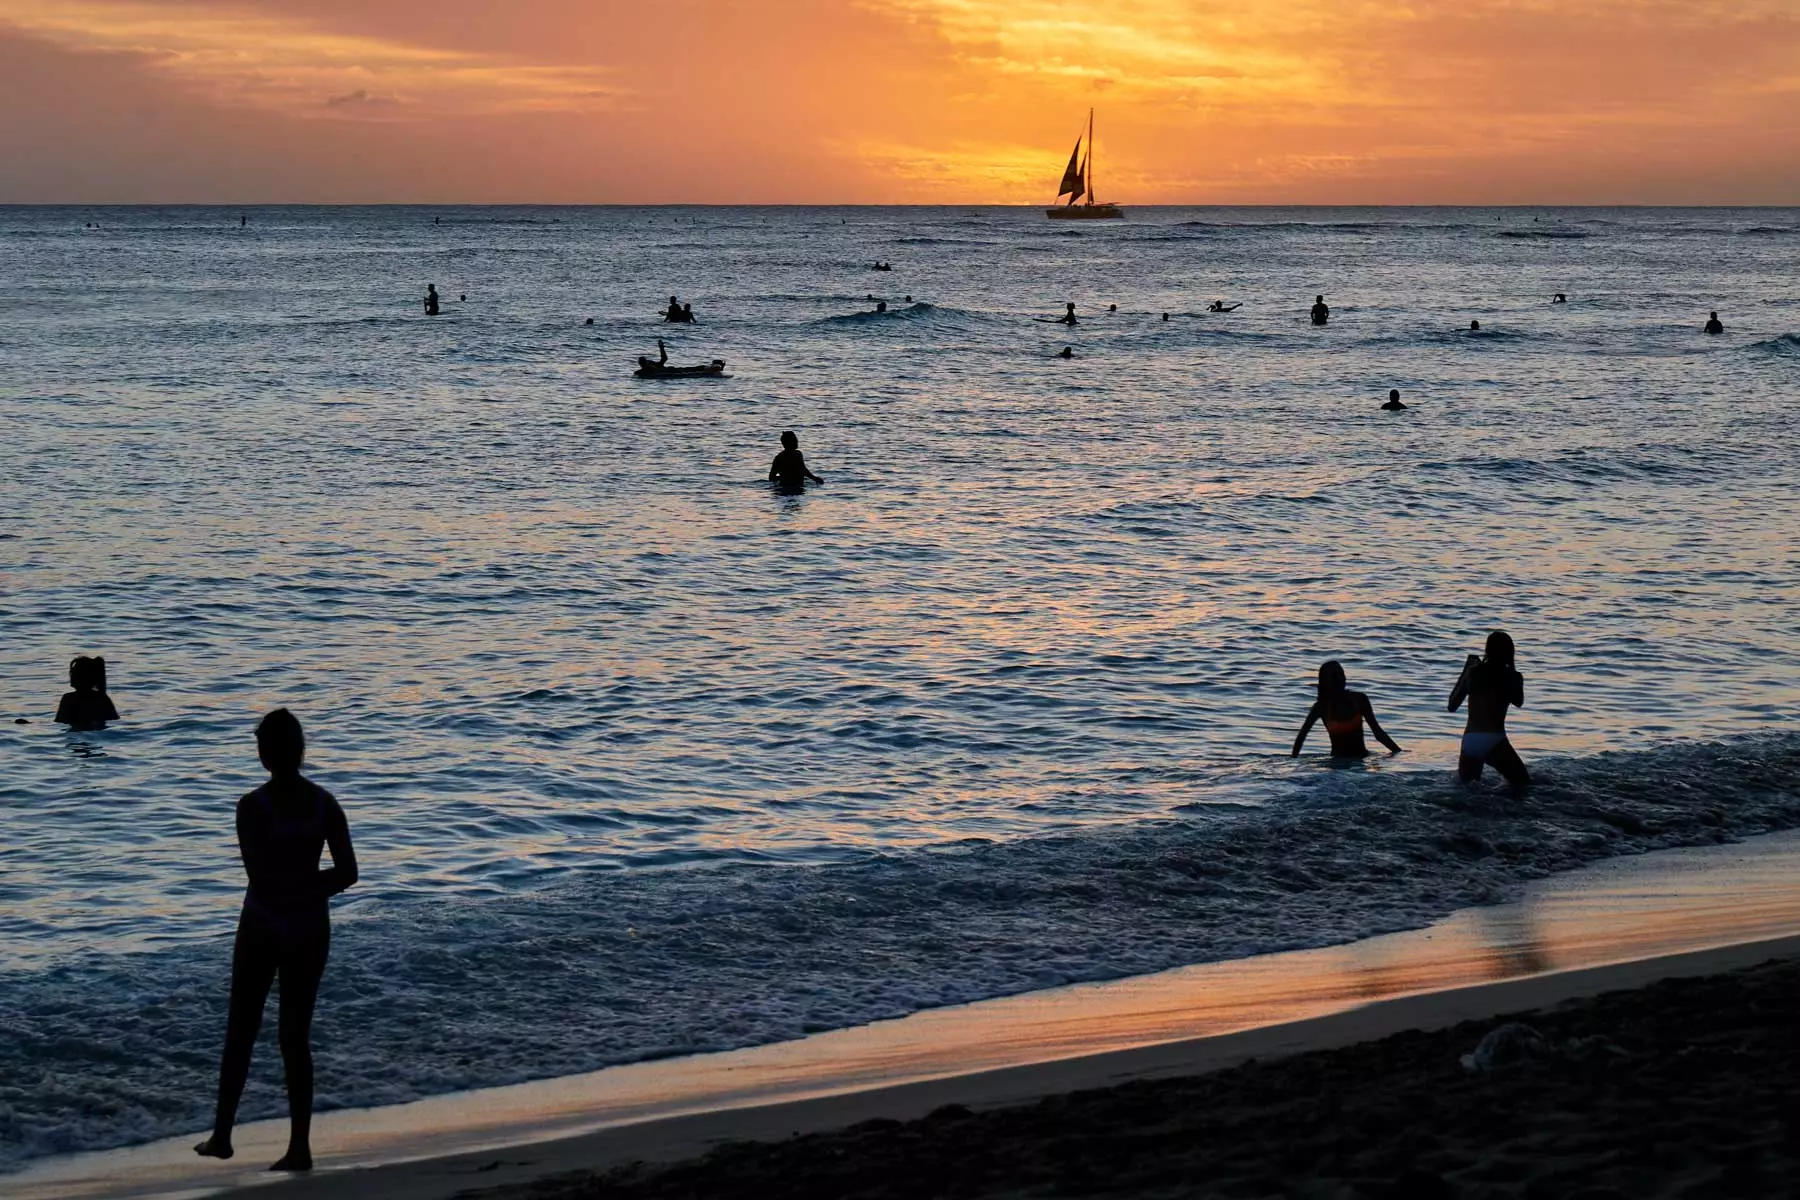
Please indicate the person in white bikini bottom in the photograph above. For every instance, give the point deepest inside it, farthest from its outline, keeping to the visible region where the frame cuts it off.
(1490, 684)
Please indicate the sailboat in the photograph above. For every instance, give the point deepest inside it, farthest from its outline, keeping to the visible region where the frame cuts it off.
(1078, 182)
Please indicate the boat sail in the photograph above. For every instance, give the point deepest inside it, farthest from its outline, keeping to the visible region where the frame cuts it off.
(1078, 182)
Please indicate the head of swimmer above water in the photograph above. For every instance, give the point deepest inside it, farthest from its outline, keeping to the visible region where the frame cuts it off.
(1331, 681)
(87, 674)
(790, 440)
(280, 744)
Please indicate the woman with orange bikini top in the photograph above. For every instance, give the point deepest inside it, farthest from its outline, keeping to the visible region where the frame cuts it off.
(1344, 713)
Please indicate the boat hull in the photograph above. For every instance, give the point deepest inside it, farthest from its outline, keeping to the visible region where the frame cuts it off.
(1086, 212)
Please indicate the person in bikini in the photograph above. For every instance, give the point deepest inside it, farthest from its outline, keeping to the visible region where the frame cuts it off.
(1344, 713)
(1490, 683)
(284, 929)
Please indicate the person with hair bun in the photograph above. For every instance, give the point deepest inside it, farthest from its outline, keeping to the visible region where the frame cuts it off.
(1344, 713)
(1490, 683)
(284, 929)
(88, 707)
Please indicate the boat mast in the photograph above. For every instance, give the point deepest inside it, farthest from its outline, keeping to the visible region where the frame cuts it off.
(1090, 160)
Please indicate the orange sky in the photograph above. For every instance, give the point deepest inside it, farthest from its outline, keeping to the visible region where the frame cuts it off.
(869, 101)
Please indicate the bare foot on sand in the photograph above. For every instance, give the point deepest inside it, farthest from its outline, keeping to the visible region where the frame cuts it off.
(293, 1160)
(212, 1147)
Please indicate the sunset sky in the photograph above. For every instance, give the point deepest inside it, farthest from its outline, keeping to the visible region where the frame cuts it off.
(871, 101)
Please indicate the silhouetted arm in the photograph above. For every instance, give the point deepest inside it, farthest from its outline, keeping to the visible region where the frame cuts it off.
(807, 471)
(1461, 689)
(342, 872)
(1375, 726)
(1516, 693)
(1312, 715)
(774, 469)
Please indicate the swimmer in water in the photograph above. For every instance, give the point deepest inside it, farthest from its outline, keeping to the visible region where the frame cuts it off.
(1559, 298)
(788, 471)
(1714, 325)
(1344, 713)
(1068, 318)
(1490, 684)
(88, 707)
(881, 306)
(661, 359)
(431, 300)
(1165, 316)
(1066, 352)
(673, 312)
(1474, 326)
(1393, 401)
(1321, 312)
(1112, 308)
(284, 930)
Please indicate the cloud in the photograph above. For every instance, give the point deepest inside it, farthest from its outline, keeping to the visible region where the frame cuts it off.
(247, 57)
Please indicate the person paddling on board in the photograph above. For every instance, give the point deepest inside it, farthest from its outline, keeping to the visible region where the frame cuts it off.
(1393, 401)
(1066, 352)
(1321, 312)
(1490, 684)
(1221, 306)
(1714, 325)
(431, 300)
(657, 363)
(1068, 317)
(788, 471)
(1344, 713)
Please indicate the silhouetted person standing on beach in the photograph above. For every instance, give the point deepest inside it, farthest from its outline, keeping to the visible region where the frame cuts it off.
(1393, 401)
(284, 929)
(1343, 712)
(1321, 312)
(788, 471)
(88, 707)
(1490, 684)
(1714, 325)
(431, 300)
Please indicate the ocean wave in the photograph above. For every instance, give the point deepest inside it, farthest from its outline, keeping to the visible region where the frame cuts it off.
(1786, 345)
(429, 995)
(920, 311)
(1546, 234)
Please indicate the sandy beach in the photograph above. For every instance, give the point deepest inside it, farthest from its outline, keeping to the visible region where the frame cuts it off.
(1680, 1088)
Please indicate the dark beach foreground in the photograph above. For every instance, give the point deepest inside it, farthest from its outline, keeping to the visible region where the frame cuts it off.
(1685, 1087)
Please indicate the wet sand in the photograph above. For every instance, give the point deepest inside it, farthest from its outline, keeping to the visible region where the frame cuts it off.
(1645, 917)
(1681, 1088)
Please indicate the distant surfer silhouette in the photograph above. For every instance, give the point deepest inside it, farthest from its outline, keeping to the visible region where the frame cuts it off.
(1068, 317)
(1490, 684)
(789, 472)
(1221, 306)
(1714, 325)
(88, 707)
(1393, 401)
(1344, 713)
(1321, 312)
(1559, 298)
(881, 306)
(431, 300)
(1066, 352)
(284, 929)
(1474, 326)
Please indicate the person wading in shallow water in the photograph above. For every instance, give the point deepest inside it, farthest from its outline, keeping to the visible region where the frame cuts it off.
(1343, 712)
(788, 472)
(284, 929)
(88, 707)
(1490, 684)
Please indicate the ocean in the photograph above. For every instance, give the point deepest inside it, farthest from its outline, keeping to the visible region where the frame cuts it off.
(642, 758)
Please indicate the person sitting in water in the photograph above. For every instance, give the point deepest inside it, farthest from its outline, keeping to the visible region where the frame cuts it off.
(1490, 684)
(673, 312)
(657, 363)
(788, 471)
(881, 306)
(1474, 326)
(1112, 308)
(1393, 401)
(1165, 316)
(1714, 325)
(431, 300)
(1066, 352)
(1559, 298)
(1321, 312)
(1068, 317)
(687, 314)
(88, 707)
(1344, 713)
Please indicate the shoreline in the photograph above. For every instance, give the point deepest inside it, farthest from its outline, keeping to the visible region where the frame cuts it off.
(1661, 913)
